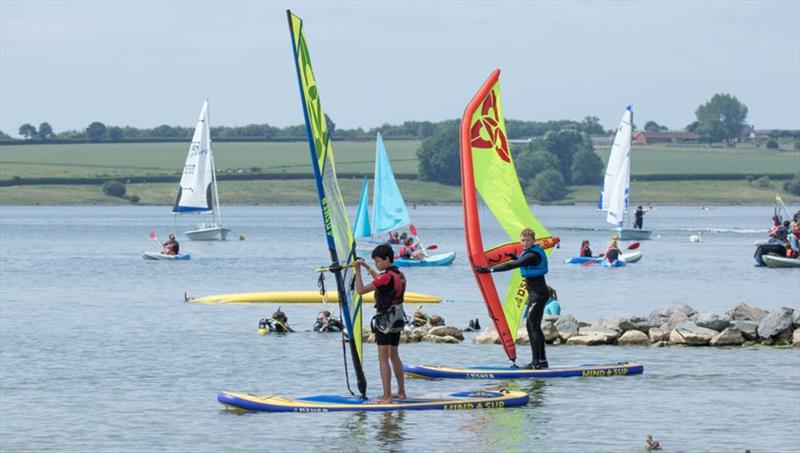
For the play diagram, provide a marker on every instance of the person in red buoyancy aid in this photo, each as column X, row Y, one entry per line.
column 793, row 242
column 171, row 247
column 585, row 250
column 390, row 287
column 409, row 251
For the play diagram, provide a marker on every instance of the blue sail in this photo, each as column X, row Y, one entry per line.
column 389, row 210
column 361, row 228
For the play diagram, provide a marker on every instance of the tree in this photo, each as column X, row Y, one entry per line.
column 115, row 133
column 4, row 136
column 439, row 158
column 96, row 131
column 591, row 125
column 721, row 118
column 564, row 145
column 548, row 186
column 793, row 186
column 114, row 188
column 530, row 162
column 28, row 131
column 587, row 168
column 45, row 131
column 652, row 126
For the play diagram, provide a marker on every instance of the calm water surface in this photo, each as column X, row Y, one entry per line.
column 99, row 352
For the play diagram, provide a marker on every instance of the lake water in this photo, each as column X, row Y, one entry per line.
column 98, row 351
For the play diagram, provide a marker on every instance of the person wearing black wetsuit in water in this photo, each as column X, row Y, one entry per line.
column 533, row 266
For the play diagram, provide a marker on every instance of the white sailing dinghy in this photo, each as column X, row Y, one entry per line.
column 197, row 191
column 615, row 196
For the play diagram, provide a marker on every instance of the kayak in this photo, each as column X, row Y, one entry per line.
column 486, row 372
column 331, row 403
column 630, row 257
column 164, row 256
column 441, row 259
column 300, row 297
column 615, row 263
column 769, row 247
column 780, row 261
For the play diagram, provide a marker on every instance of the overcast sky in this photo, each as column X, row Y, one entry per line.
column 144, row 64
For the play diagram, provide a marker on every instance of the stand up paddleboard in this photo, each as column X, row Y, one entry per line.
column 332, row 403
column 486, row 372
column 440, row 259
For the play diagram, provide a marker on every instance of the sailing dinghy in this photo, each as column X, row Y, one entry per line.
column 197, row 191
column 615, row 195
column 389, row 213
column 342, row 247
column 487, row 169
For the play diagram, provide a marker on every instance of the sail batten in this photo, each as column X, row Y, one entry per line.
column 338, row 234
column 487, row 168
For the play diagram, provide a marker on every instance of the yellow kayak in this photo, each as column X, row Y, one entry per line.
column 299, row 297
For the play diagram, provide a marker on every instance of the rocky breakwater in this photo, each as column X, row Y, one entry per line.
column 679, row 325
column 439, row 334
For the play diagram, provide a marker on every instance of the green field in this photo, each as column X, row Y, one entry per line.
column 108, row 160
column 149, row 159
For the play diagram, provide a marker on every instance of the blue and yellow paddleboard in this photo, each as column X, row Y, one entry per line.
column 331, row 403
column 485, row 372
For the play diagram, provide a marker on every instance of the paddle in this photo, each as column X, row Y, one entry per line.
column 413, row 230
column 153, row 237
column 785, row 209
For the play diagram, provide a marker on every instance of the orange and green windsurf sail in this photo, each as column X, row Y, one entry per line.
column 339, row 236
column 488, row 169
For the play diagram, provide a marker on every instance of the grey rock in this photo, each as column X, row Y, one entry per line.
column 636, row 323
column 658, row 334
column 796, row 319
column 439, row 339
column 690, row 334
column 749, row 329
column 744, row 312
column 522, row 336
column 728, row 337
column 550, row 331
column 675, row 319
column 775, row 322
column 796, row 338
column 612, row 324
column 444, row 331
column 659, row 317
column 683, row 308
column 711, row 321
column 633, row 338
column 587, row 340
column 487, row 336
column 610, row 335
column 567, row 326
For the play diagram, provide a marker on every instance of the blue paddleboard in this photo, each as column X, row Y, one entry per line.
column 330, row 403
column 486, row 372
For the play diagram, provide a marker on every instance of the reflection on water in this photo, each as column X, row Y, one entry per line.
column 390, row 431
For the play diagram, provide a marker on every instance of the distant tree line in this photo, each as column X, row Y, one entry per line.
column 545, row 166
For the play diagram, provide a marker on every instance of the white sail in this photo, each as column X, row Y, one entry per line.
column 195, row 189
column 616, row 185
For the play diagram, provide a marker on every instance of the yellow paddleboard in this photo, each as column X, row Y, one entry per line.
column 299, row 297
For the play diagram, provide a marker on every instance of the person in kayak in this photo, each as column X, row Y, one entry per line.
column 390, row 287
column 585, row 251
column 612, row 252
column 171, row 247
column 409, row 250
column 533, row 266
